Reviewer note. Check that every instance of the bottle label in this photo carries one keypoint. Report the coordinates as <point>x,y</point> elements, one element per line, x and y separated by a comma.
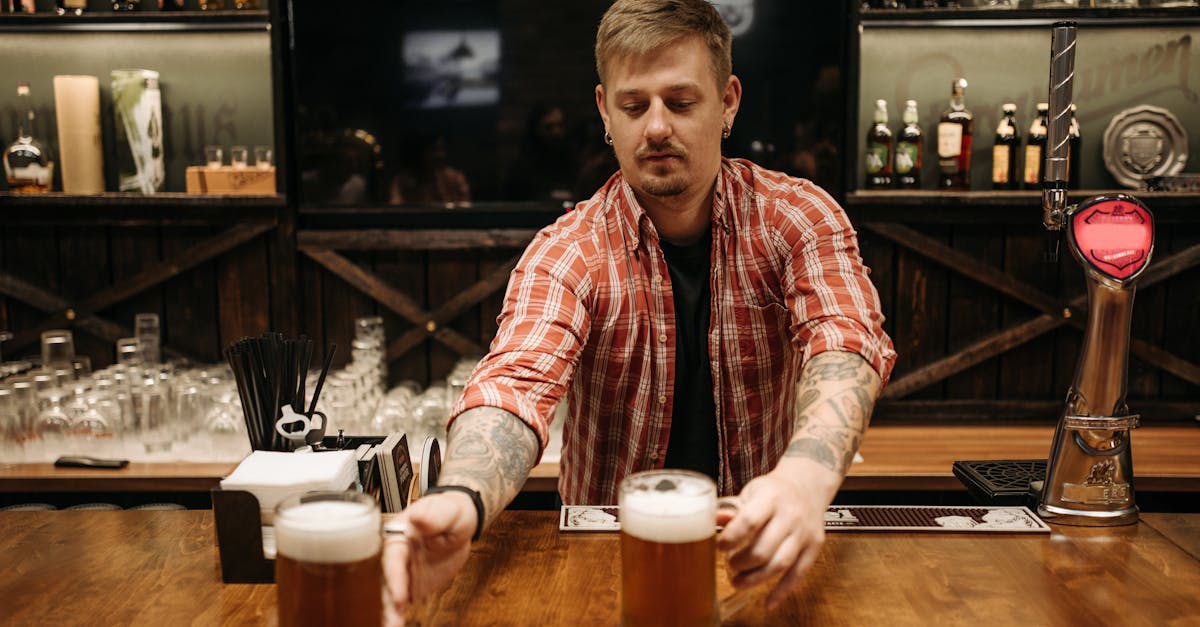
<point>949,139</point>
<point>906,157</point>
<point>877,157</point>
<point>1000,173</point>
<point>1033,161</point>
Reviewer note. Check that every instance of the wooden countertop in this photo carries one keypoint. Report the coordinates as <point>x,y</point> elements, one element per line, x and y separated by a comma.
<point>160,567</point>
<point>896,457</point>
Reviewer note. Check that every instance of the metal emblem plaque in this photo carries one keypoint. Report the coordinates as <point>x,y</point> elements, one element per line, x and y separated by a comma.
<point>1142,142</point>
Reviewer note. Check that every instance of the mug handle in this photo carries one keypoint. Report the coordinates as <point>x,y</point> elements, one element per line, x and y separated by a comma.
<point>737,599</point>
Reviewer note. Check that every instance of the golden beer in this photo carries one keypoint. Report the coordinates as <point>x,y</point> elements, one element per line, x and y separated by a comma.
<point>327,568</point>
<point>668,549</point>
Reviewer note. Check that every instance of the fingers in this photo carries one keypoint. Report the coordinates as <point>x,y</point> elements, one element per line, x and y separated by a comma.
<point>443,521</point>
<point>775,550</point>
<point>396,555</point>
<point>744,525</point>
<point>793,576</point>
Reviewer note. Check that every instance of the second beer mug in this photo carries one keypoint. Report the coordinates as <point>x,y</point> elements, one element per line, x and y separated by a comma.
<point>327,567</point>
<point>669,550</point>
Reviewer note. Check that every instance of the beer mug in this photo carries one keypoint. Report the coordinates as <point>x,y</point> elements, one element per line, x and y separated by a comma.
<point>327,565</point>
<point>669,550</point>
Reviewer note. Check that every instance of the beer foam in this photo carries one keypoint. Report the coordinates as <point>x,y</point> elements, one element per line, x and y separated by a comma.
<point>669,517</point>
<point>329,532</point>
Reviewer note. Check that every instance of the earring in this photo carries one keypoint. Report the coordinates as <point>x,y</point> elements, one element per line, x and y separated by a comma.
<point>726,130</point>
<point>607,138</point>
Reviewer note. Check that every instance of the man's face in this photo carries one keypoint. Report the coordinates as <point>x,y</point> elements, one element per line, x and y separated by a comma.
<point>665,114</point>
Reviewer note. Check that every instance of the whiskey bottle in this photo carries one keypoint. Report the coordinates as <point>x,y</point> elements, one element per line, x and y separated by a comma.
<point>1004,152</point>
<point>1035,148</point>
<point>28,163</point>
<point>1074,157</point>
<point>908,150</point>
<point>879,150</point>
<point>954,133</point>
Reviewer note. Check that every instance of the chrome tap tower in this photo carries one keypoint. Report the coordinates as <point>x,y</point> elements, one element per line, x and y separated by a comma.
<point>1089,475</point>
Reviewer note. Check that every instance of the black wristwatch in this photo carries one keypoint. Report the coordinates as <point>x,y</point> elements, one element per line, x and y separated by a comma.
<point>475,498</point>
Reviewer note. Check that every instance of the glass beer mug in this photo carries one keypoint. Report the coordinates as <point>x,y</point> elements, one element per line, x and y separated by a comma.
<point>327,565</point>
<point>669,550</point>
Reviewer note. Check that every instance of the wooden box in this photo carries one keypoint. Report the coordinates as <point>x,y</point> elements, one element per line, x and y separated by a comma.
<point>227,180</point>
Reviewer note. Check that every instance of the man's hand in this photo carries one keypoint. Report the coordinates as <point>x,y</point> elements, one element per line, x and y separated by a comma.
<point>776,532</point>
<point>779,526</point>
<point>434,547</point>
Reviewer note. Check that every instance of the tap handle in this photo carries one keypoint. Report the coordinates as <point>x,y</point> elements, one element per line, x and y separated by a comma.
<point>1062,78</point>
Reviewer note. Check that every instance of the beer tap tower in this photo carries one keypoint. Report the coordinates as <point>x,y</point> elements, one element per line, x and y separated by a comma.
<point>1089,475</point>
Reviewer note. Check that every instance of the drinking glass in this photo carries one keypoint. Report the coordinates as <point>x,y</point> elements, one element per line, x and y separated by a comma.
<point>669,550</point>
<point>58,347</point>
<point>214,156</point>
<point>152,418</point>
<point>327,567</point>
<point>146,330</point>
<point>128,353</point>
<point>262,157</point>
<point>239,157</point>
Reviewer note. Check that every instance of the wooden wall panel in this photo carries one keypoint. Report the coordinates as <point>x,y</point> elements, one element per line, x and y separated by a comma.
<point>1028,370</point>
<point>920,328</point>
<point>341,304</point>
<point>1181,313</point>
<point>406,271</point>
<point>450,272</point>
<point>243,292</point>
<point>973,312</point>
<point>133,250</point>
<point>83,256</point>
<point>192,319</point>
<point>30,255</point>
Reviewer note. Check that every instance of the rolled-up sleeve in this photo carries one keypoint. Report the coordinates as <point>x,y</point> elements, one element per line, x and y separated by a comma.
<point>543,325</point>
<point>833,304</point>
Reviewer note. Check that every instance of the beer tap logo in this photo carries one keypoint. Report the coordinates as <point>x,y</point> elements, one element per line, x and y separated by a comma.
<point>1114,236</point>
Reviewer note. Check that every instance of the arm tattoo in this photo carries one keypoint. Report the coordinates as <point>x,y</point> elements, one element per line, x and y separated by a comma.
<point>837,395</point>
<point>492,451</point>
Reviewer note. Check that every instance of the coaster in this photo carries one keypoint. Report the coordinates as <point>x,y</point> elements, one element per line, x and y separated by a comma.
<point>1000,482</point>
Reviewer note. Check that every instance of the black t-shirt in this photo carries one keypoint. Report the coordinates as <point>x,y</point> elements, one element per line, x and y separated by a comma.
<point>693,441</point>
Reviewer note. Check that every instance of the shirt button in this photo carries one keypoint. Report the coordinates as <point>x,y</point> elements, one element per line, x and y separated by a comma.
<point>657,279</point>
<point>662,338</point>
<point>662,399</point>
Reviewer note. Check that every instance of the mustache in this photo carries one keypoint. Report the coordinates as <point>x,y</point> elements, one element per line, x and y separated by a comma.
<point>662,148</point>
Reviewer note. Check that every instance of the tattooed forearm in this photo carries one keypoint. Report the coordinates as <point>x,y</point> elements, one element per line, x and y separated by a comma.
<point>837,395</point>
<point>491,451</point>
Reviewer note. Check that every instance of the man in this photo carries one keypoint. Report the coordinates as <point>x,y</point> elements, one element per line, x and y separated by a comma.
<point>676,310</point>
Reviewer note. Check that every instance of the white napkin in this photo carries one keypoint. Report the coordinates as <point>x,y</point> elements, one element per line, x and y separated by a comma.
<point>274,476</point>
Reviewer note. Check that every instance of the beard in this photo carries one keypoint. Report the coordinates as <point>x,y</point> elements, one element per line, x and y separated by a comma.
<point>664,180</point>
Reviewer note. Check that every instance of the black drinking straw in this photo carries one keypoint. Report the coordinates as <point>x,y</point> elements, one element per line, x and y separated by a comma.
<point>321,379</point>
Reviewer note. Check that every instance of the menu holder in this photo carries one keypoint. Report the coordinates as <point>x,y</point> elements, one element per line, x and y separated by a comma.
<point>239,526</point>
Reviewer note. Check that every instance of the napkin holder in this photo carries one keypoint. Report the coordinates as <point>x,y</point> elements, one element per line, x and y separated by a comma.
<point>239,524</point>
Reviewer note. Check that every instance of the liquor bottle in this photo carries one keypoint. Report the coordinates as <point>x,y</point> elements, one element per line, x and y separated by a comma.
<point>28,163</point>
<point>908,150</point>
<point>954,141</point>
<point>879,150</point>
<point>1035,148</point>
<point>1073,142</point>
<point>170,5</point>
<point>1004,152</point>
<point>70,7</point>
<point>20,6</point>
<point>125,5</point>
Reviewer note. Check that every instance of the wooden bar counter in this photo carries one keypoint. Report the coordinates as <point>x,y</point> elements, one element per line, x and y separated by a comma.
<point>161,568</point>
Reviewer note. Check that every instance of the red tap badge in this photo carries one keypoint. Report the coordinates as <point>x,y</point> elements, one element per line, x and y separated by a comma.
<point>1115,235</point>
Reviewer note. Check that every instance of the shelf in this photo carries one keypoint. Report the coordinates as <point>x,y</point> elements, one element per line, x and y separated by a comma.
<point>925,18</point>
<point>125,209</point>
<point>488,215</point>
<point>999,207</point>
<point>137,21</point>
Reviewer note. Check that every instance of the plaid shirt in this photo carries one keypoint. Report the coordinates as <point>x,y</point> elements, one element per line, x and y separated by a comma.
<point>589,313</point>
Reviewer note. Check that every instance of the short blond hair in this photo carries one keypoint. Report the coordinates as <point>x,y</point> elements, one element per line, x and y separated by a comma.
<point>636,27</point>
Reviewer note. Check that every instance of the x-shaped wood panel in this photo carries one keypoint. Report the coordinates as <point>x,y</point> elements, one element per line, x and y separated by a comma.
<point>1055,313</point>
<point>322,247</point>
<point>82,314</point>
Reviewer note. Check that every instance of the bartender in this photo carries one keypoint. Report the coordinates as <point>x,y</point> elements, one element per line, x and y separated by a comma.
<point>696,312</point>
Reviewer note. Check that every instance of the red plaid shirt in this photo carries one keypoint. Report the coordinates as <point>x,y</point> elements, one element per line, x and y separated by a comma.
<point>589,314</point>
